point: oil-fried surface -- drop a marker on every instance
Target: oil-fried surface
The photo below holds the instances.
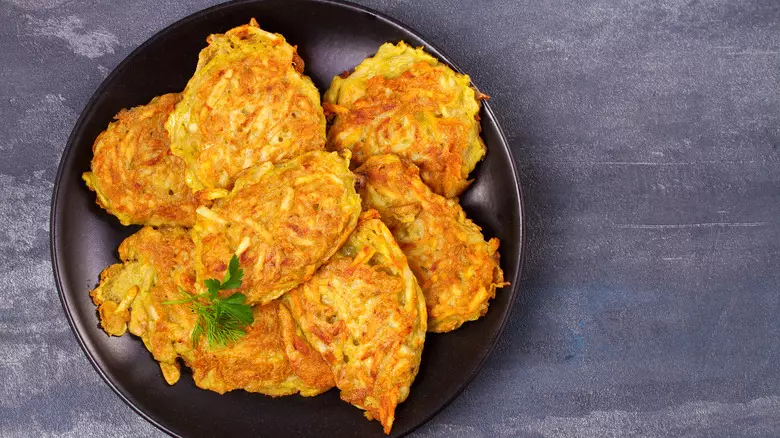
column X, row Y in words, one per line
column 364, row 312
column 248, row 102
column 259, row 361
column 406, row 102
column 458, row 271
column 273, row 358
column 134, row 174
column 155, row 263
column 282, row 221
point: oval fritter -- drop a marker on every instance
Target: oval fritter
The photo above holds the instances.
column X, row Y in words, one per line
column 134, row 174
column 364, row 312
column 283, row 222
column 248, row 102
column 404, row 101
column 155, row 264
column 272, row 359
column 457, row 269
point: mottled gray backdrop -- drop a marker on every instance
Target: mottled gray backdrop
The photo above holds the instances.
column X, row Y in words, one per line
column 646, row 133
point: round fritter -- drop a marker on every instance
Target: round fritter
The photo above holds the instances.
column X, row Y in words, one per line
column 364, row 312
column 404, row 101
column 248, row 102
column 155, row 264
column 261, row 362
column 283, row 222
column 457, row 269
column 134, row 174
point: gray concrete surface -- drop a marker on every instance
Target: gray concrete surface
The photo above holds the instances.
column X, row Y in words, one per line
column 646, row 133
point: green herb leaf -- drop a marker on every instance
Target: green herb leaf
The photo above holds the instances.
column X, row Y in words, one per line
column 221, row 320
column 236, row 298
column 196, row 332
column 234, row 305
column 233, row 276
column 212, row 284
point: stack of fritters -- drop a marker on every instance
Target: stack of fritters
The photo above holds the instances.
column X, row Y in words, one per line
column 235, row 166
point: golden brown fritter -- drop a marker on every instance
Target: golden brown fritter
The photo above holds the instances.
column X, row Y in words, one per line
column 260, row 361
column 155, row 263
column 458, row 271
column 134, row 174
column 248, row 102
column 404, row 101
column 273, row 358
column 364, row 312
column 283, row 222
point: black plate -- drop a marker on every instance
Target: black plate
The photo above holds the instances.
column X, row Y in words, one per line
column 331, row 37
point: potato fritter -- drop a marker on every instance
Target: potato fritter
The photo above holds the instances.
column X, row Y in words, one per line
column 458, row 271
column 404, row 101
column 134, row 174
column 283, row 222
column 364, row 312
column 155, row 263
column 260, row 361
column 273, row 358
column 248, row 102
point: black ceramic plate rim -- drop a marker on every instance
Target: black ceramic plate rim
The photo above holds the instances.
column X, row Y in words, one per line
column 87, row 113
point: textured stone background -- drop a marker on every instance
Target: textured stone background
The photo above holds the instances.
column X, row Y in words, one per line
column 647, row 138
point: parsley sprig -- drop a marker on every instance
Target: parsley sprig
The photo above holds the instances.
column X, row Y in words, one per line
column 221, row 320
